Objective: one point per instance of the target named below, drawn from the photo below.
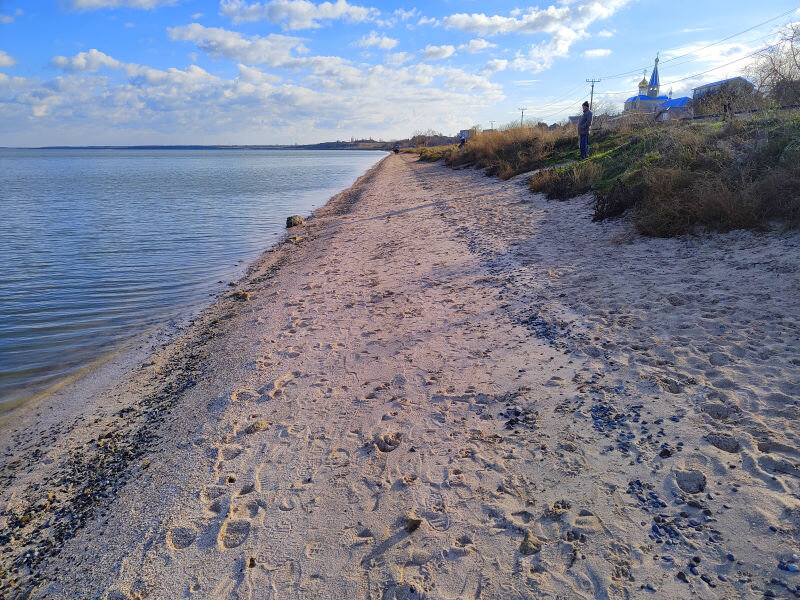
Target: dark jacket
(585, 123)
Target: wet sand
(440, 386)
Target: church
(649, 98)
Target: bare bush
(777, 69)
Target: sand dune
(442, 386)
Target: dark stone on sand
(691, 481)
(412, 524)
(294, 221)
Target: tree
(776, 71)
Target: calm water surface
(98, 246)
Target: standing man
(583, 130)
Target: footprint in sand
(276, 388)
(244, 395)
(212, 492)
(338, 458)
(290, 351)
(181, 537)
(435, 512)
(723, 441)
(387, 442)
(248, 510)
(233, 533)
(288, 502)
(262, 363)
(229, 452)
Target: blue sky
(86, 72)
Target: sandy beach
(441, 386)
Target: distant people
(583, 130)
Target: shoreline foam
(447, 387)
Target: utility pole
(522, 114)
(591, 98)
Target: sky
(128, 72)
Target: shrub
(566, 182)
(672, 177)
(434, 153)
(508, 152)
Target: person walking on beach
(583, 130)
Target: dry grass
(508, 152)
(433, 153)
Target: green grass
(678, 177)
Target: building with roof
(734, 83)
(649, 96)
(650, 100)
(675, 108)
(735, 93)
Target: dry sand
(445, 387)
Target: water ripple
(99, 245)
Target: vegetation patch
(675, 178)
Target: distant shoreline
(322, 146)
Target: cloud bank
(296, 14)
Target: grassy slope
(673, 177)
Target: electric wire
(626, 73)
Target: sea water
(98, 246)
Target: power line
(551, 115)
(591, 98)
(705, 47)
(728, 64)
(567, 97)
(741, 58)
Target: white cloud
(274, 49)
(98, 4)
(437, 52)
(399, 14)
(605, 33)
(91, 61)
(405, 15)
(596, 53)
(565, 24)
(328, 99)
(428, 21)
(197, 16)
(476, 46)
(541, 56)
(694, 30)
(397, 59)
(495, 65)
(6, 60)
(575, 14)
(379, 41)
(6, 19)
(296, 14)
